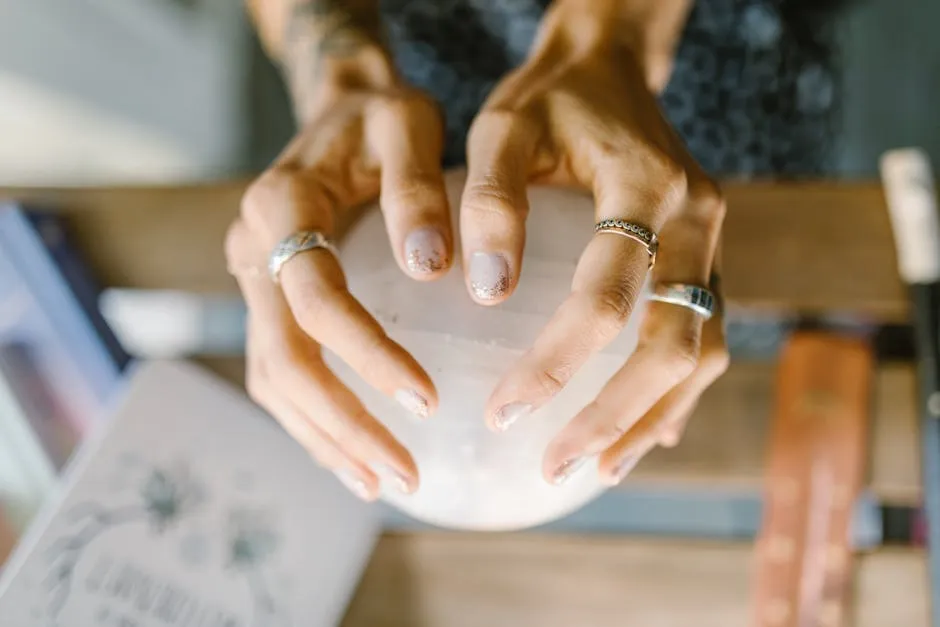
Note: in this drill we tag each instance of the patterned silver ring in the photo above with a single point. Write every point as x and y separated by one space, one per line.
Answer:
633 231
698 299
294 244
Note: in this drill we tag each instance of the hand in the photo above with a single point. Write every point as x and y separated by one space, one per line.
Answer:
358 144
579 113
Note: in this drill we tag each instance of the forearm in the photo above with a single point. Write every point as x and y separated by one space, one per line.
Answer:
650 29
323 46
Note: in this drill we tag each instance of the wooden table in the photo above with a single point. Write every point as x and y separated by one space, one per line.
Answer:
446 580
807 248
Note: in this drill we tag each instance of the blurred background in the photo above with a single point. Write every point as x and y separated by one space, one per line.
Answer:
162 92
110 91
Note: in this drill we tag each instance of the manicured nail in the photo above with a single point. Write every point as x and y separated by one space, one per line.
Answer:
623 468
489 275
355 485
413 402
510 413
398 480
425 251
568 468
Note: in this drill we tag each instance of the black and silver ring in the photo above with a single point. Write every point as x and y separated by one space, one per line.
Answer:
698 299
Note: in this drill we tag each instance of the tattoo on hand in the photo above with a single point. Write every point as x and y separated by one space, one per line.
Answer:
317 29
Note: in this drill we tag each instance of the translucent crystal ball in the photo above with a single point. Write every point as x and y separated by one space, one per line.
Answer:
472 478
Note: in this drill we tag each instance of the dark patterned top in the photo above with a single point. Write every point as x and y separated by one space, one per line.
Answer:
753 92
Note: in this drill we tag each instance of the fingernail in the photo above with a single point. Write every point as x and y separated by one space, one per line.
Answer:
398 480
623 468
425 251
355 485
489 275
510 413
568 468
413 402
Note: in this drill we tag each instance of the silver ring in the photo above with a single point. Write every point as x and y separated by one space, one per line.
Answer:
698 299
294 244
633 231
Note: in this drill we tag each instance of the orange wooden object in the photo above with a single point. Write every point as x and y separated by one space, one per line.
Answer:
815 469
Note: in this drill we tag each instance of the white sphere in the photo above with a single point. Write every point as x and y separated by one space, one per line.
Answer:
472 478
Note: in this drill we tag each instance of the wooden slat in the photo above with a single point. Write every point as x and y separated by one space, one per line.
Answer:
811 246
448 580
817 450
725 444
724 447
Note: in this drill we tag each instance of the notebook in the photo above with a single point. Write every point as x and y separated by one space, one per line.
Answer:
189 507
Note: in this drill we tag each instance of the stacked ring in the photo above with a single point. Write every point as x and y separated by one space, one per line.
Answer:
632 231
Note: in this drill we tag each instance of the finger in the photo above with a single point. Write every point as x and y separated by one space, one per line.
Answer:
297 372
408 138
315 288
715 358
606 284
712 364
663 424
673 429
307 381
354 474
494 205
667 354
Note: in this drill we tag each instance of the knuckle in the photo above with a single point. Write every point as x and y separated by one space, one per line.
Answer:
256 201
493 121
669 173
237 238
256 390
611 306
707 201
715 362
550 381
678 360
489 199
415 189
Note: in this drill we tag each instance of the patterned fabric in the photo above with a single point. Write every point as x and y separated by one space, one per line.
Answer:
754 90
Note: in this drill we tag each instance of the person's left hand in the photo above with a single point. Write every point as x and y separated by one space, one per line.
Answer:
579 113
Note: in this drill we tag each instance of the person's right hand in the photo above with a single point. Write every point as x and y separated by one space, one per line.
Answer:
358 145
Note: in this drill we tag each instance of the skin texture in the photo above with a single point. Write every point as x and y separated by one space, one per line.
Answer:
581 112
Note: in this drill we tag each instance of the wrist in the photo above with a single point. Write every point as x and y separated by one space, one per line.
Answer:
647 30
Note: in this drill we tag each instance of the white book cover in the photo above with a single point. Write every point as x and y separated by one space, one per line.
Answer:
190 508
